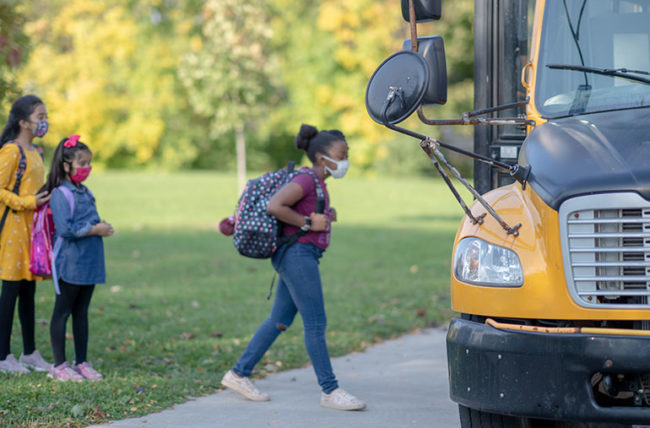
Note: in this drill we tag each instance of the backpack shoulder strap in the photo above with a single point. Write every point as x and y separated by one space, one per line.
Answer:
69 197
57 245
20 171
317 186
22 166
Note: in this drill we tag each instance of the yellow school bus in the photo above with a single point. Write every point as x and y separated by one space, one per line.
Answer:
550 271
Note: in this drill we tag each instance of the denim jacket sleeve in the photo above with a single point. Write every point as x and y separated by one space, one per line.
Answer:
63 221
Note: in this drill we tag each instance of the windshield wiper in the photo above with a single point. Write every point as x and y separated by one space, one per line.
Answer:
617 72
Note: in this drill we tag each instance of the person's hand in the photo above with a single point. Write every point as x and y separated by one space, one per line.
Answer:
103 229
319 222
333 214
42 198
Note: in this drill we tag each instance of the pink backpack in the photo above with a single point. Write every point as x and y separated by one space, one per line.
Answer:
42 246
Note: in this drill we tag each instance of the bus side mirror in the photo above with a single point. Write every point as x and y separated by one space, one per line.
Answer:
432 50
397 87
425 10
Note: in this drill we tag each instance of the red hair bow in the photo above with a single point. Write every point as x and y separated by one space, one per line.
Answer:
71 141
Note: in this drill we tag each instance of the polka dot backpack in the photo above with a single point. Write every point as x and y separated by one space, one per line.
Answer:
256 233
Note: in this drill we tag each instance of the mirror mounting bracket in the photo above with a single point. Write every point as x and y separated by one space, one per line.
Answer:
430 147
469 118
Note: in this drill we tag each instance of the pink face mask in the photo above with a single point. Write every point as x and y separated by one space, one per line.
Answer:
81 174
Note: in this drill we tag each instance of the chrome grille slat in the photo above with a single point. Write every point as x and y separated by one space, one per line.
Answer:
606 250
616 293
609 235
621 264
611 278
609 220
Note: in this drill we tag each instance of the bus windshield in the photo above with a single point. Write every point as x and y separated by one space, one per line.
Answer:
594 56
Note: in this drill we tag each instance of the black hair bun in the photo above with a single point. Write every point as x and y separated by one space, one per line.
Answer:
306 133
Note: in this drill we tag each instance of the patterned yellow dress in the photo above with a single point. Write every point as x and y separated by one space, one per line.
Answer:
15 236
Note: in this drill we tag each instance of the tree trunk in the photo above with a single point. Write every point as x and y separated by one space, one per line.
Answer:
240 142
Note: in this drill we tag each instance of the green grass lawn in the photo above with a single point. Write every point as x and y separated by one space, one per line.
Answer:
180 304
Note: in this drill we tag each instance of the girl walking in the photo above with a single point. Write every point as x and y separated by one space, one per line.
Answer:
299 287
77 257
21 176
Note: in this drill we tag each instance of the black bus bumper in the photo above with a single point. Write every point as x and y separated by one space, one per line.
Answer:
541 375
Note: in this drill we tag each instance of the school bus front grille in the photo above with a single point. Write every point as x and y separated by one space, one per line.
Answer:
606 250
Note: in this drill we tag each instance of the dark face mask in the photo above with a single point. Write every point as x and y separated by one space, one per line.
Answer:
41 128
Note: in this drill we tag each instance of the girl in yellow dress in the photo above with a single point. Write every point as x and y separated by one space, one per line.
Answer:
21 176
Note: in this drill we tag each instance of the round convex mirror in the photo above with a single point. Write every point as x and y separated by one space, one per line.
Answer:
404 77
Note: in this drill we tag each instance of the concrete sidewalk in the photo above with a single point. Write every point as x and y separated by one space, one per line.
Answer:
403 381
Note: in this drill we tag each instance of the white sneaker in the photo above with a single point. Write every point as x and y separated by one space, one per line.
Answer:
341 400
10 365
34 361
244 386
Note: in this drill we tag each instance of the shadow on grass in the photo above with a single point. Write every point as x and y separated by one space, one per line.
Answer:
180 306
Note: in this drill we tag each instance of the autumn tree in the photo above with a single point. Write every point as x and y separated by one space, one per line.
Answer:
13 46
228 74
107 71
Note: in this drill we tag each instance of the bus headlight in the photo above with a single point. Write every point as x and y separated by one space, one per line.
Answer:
479 262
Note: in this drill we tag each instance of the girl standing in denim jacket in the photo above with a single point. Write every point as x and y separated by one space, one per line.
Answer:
78 255
299 287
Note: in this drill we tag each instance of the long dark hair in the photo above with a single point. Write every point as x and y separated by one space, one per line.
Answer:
313 141
62 155
21 109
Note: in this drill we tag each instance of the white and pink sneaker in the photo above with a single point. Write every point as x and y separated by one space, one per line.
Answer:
86 370
64 372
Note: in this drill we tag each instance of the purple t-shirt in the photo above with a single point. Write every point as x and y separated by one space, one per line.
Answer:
306 206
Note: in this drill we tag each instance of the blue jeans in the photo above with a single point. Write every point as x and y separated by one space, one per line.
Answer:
299 290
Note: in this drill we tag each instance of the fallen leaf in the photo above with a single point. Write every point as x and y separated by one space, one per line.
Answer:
271 368
77 410
98 413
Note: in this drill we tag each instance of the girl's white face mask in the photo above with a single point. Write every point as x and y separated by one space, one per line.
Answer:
341 167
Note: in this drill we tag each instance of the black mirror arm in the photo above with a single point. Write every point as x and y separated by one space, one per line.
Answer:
516 171
469 118
430 147
485 159
427 147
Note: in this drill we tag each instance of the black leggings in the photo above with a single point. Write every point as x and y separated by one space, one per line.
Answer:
23 291
75 300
